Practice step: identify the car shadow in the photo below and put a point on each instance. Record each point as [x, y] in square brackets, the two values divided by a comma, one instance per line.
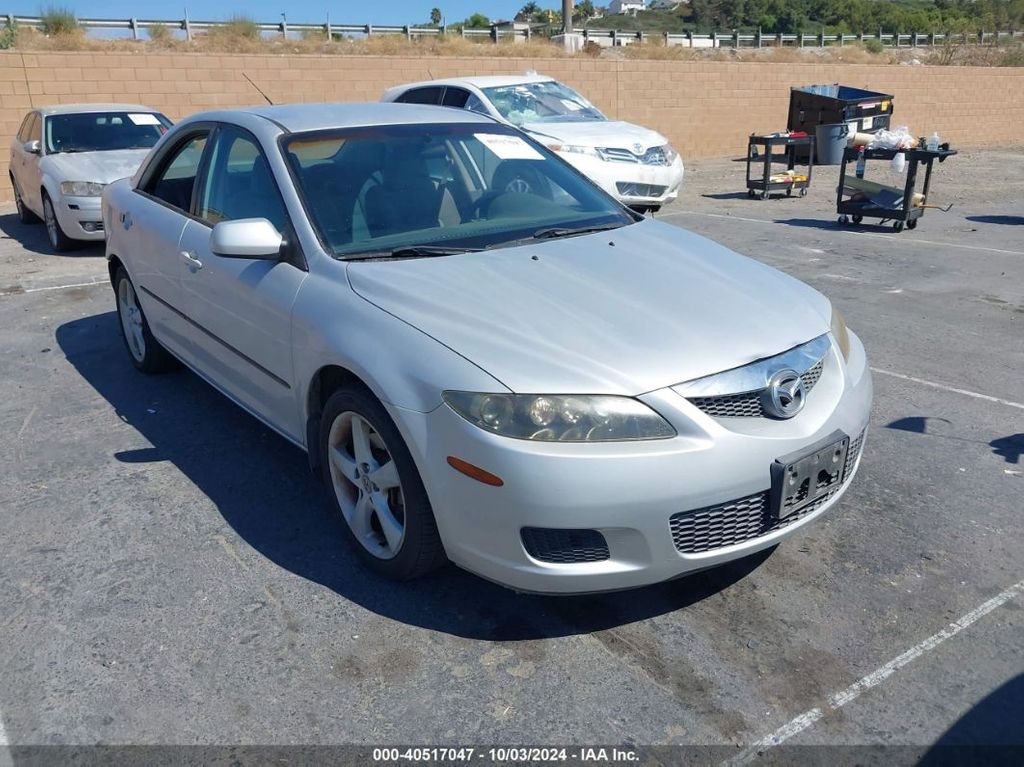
[32, 237]
[989, 733]
[261, 485]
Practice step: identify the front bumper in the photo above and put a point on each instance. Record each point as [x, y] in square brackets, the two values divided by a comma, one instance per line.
[81, 218]
[631, 183]
[626, 491]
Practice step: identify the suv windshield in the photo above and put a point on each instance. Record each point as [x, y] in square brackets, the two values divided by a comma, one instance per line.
[440, 188]
[104, 131]
[548, 101]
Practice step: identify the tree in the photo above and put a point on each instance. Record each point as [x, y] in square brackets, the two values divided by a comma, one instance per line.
[528, 12]
[477, 21]
[435, 16]
[584, 10]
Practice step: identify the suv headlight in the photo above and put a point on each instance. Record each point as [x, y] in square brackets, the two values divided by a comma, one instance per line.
[560, 418]
[840, 333]
[670, 153]
[81, 188]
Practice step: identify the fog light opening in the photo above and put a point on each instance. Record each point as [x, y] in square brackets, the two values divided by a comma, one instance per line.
[475, 472]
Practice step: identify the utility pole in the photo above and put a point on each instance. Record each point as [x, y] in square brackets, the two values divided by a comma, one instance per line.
[567, 17]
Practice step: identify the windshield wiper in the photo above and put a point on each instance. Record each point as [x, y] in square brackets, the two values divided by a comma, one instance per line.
[569, 231]
[413, 251]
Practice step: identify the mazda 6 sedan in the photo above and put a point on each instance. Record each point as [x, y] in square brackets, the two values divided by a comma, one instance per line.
[540, 386]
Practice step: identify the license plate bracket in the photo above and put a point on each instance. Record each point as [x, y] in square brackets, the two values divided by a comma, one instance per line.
[799, 479]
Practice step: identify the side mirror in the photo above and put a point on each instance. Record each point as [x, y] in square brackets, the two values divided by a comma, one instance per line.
[246, 238]
[32, 147]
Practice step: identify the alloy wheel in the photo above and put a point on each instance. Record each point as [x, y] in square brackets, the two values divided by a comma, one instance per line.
[366, 482]
[51, 223]
[131, 319]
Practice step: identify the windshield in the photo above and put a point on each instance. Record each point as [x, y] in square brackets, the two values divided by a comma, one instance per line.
[372, 192]
[547, 101]
[104, 131]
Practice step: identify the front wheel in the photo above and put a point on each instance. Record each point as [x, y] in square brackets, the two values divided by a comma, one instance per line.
[376, 488]
[58, 240]
[145, 351]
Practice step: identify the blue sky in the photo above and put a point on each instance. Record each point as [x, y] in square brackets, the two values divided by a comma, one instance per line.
[381, 12]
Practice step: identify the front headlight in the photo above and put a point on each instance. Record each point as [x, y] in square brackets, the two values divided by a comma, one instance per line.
[840, 333]
[81, 188]
[560, 418]
[589, 151]
[670, 153]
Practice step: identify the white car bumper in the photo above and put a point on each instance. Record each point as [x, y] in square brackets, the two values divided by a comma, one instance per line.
[81, 218]
[633, 494]
[631, 183]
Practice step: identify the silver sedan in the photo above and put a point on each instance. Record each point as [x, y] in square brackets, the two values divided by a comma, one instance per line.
[537, 385]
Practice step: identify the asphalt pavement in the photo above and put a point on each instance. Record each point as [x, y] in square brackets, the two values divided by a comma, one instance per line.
[170, 573]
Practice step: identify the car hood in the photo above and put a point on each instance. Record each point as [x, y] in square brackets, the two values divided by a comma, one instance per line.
[597, 133]
[582, 315]
[99, 167]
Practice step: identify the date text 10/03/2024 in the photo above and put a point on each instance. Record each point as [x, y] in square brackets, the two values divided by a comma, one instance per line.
[501, 754]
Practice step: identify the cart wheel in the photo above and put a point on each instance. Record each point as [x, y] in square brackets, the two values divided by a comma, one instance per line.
[751, 193]
[912, 224]
[803, 191]
[897, 226]
[858, 219]
[764, 195]
[844, 220]
[789, 191]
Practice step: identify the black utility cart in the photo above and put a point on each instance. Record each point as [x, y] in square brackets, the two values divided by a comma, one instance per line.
[857, 199]
[765, 151]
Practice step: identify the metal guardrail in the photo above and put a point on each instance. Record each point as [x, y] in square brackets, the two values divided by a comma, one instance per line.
[499, 32]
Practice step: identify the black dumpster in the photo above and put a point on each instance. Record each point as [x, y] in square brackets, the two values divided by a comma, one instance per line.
[863, 110]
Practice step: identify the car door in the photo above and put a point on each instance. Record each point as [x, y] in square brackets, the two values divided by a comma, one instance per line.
[242, 307]
[26, 167]
[152, 228]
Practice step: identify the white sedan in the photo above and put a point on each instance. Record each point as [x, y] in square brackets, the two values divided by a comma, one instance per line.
[632, 163]
[543, 387]
[63, 157]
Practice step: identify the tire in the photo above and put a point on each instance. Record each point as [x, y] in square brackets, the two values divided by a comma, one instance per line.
[370, 499]
[803, 192]
[58, 240]
[912, 224]
[858, 219]
[145, 352]
[897, 226]
[25, 215]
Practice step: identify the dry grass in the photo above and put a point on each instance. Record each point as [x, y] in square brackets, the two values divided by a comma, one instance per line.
[243, 38]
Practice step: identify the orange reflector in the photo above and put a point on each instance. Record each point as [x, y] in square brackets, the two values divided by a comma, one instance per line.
[475, 472]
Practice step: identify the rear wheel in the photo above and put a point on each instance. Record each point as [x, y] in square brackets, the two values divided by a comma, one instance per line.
[376, 488]
[145, 351]
[58, 240]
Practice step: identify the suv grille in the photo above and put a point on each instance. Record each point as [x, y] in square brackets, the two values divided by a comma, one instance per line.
[748, 404]
[549, 544]
[631, 189]
[745, 518]
[653, 156]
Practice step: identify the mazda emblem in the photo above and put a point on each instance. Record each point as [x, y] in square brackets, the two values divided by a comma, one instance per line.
[784, 395]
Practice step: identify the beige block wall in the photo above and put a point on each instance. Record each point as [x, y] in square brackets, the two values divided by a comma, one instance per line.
[706, 109]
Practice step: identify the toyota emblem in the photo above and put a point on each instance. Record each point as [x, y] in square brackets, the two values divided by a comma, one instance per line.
[638, 148]
[784, 395]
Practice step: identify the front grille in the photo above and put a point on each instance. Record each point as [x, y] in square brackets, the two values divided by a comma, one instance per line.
[744, 519]
[748, 404]
[630, 189]
[549, 544]
[653, 156]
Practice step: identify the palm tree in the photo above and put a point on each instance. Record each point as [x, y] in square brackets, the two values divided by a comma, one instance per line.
[435, 16]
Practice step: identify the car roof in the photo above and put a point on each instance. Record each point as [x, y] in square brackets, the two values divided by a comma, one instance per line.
[67, 109]
[297, 118]
[484, 81]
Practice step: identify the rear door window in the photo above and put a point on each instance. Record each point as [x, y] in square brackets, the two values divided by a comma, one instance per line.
[428, 95]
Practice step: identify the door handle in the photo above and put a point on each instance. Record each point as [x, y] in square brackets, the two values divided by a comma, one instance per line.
[193, 262]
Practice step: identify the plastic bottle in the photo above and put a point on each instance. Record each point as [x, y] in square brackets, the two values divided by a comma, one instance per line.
[860, 163]
[933, 143]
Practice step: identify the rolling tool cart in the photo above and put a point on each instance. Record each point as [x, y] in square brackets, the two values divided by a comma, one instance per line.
[857, 198]
[789, 181]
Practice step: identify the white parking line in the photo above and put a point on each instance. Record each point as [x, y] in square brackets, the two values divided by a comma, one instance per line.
[5, 754]
[876, 677]
[889, 237]
[953, 389]
[95, 281]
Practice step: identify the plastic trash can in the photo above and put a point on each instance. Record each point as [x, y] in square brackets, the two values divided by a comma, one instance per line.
[831, 140]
